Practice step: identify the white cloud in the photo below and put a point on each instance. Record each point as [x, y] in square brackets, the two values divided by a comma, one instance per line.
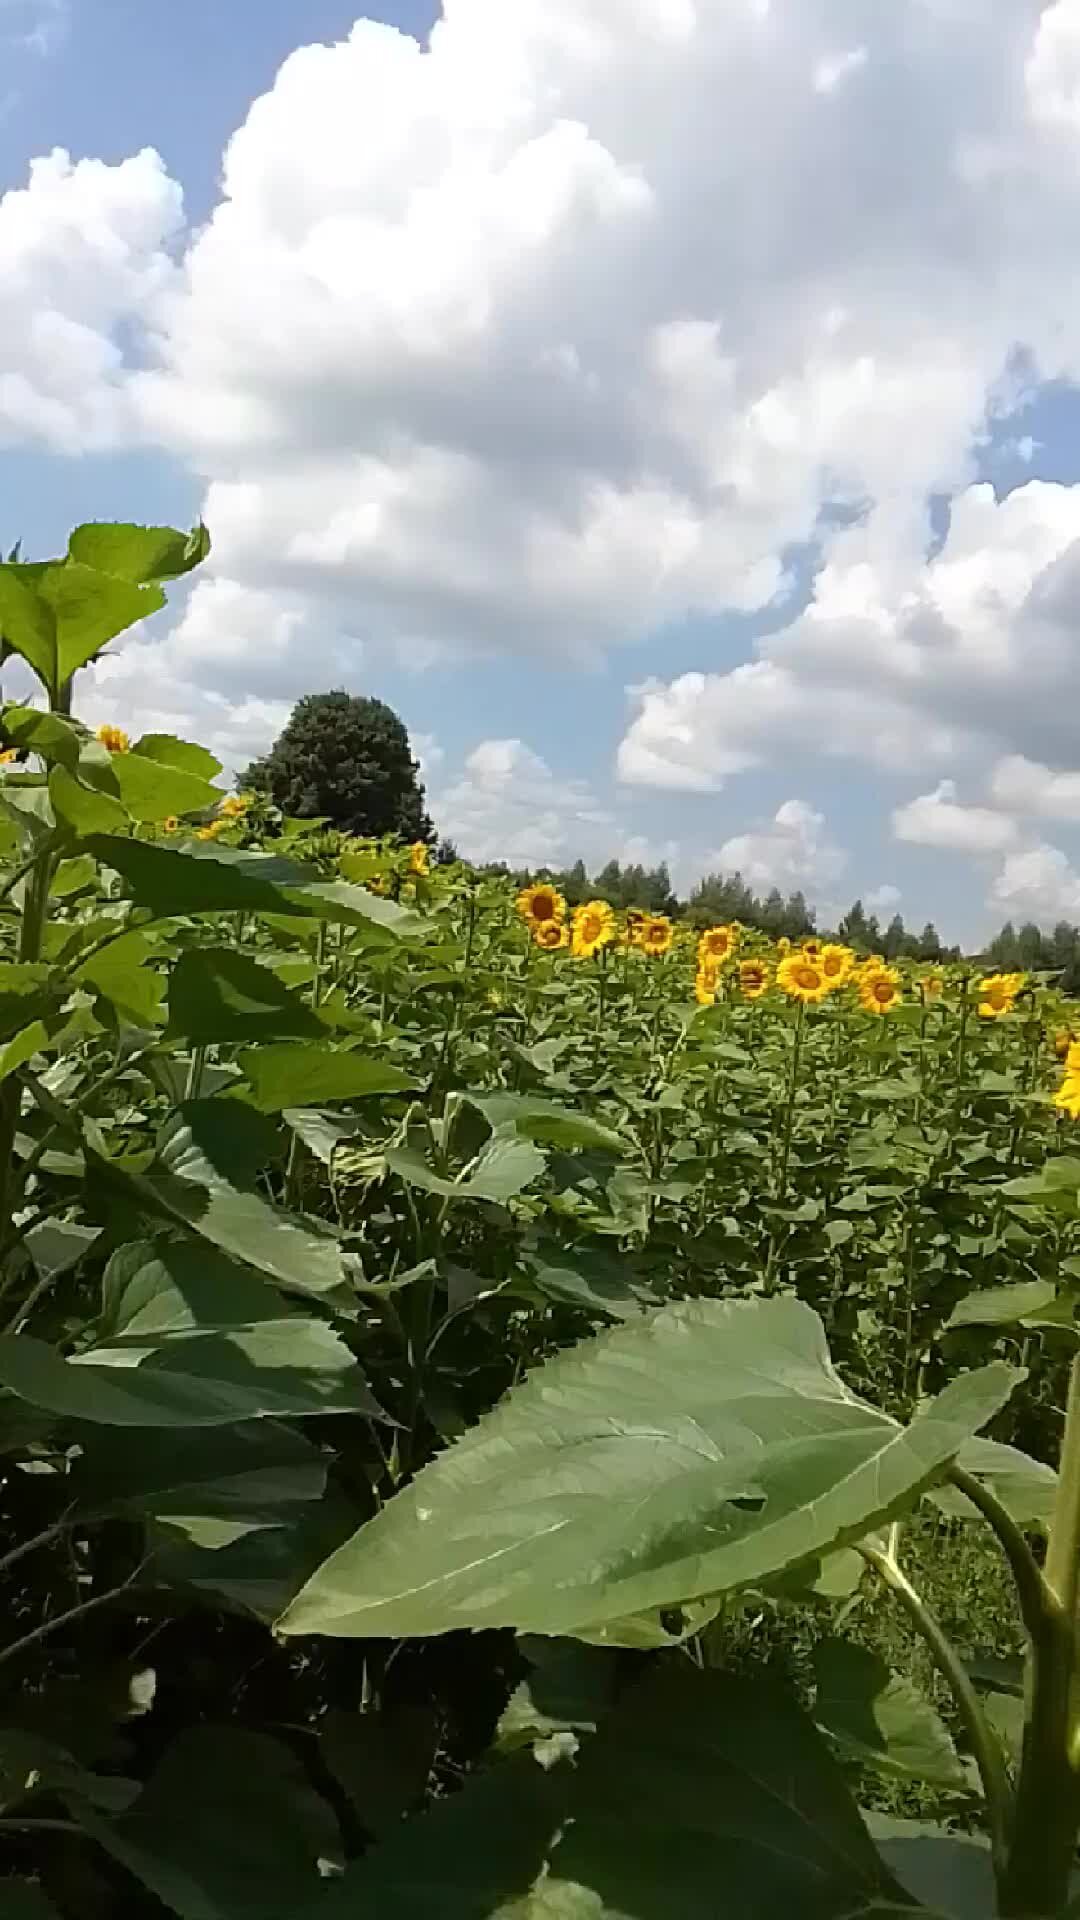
[508, 805]
[82, 257]
[793, 850]
[883, 899]
[1028, 787]
[33, 26]
[833, 69]
[938, 820]
[1039, 884]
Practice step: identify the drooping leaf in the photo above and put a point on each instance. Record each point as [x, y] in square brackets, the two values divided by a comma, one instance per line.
[56, 1245]
[217, 994]
[156, 1287]
[708, 1447]
[171, 752]
[1025, 1487]
[83, 808]
[951, 1873]
[284, 1367]
[879, 1717]
[214, 1140]
[151, 790]
[138, 553]
[47, 734]
[1019, 1300]
[304, 1076]
[253, 1473]
[546, 1121]
[227, 1828]
[502, 1169]
[215, 879]
[568, 1689]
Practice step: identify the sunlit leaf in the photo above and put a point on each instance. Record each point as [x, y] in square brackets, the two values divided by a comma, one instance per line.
[707, 1447]
[879, 1717]
[138, 553]
[302, 1076]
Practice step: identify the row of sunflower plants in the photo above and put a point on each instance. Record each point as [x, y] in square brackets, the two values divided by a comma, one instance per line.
[383, 1260]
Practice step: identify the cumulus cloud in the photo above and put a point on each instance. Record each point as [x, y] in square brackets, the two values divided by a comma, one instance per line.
[1028, 787]
[507, 804]
[937, 819]
[83, 256]
[1038, 883]
[883, 899]
[793, 850]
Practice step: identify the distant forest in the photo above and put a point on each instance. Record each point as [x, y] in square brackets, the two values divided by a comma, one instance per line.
[719, 897]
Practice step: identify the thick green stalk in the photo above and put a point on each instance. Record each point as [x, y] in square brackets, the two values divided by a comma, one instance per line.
[31, 935]
[1046, 1827]
[780, 1194]
[981, 1738]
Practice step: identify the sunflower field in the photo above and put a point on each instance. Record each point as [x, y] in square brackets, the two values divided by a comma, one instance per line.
[505, 1412]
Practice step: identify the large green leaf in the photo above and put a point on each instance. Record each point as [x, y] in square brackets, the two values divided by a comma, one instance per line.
[701, 1795]
[171, 752]
[882, 1719]
[951, 1873]
[305, 1076]
[699, 1451]
[300, 1254]
[84, 808]
[151, 790]
[227, 1828]
[212, 1141]
[381, 1760]
[296, 1367]
[215, 879]
[157, 1287]
[56, 740]
[138, 553]
[217, 994]
[248, 1475]
[124, 974]
[1025, 1487]
[546, 1121]
[57, 615]
[503, 1168]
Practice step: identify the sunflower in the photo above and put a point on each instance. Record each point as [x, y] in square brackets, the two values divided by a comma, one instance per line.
[211, 832]
[1067, 1097]
[812, 949]
[633, 921]
[836, 964]
[783, 945]
[802, 979]
[549, 935]
[379, 885]
[655, 934]
[706, 981]
[234, 806]
[717, 944]
[170, 824]
[541, 903]
[7, 758]
[753, 978]
[997, 993]
[1061, 1041]
[594, 927]
[932, 984]
[419, 858]
[114, 739]
[879, 992]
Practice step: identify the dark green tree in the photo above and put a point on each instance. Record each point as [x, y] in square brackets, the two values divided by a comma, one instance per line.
[346, 759]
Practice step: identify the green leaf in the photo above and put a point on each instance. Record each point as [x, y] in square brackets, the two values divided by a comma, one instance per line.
[708, 1447]
[85, 809]
[258, 1571]
[26, 994]
[381, 1760]
[55, 739]
[698, 1782]
[950, 1872]
[27, 622]
[57, 1245]
[1003, 1306]
[301, 1255]
[184, 754]
[23, 1047]
[546, 1121]
[568, 1690]
[24, 1900]
[227, 1828]
[152, 791]
[89, 609]
[138, 553]
[156, 1287]
[878, 1717]
[290, 1367]
[1025, 1487]
[593, 1287]
[251, 1474]
[125, 975]
[215, 879]
[299, 1076]
[217, 994]
[501, 1170]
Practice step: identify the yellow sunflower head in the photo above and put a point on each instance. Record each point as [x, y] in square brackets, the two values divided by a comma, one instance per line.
[1061, 1041]
[594, 927]
[783, 945]
[655, 934]
[419, 858]
[812, 949]
[1072, 1059]
[378, 885]
[879, 992]
[705, 985]
[836, 964]
[997, 993]
[753, 978]
[801, 978]
[716, 945]
[932, 984]
[234, 806]
[540, 904]
[1067, 1097]
[113, 739]
[211, 832]
[550, 934]
[170, 824]
[7, 759]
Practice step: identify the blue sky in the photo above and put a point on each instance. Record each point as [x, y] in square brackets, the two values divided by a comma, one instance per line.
[708, 500]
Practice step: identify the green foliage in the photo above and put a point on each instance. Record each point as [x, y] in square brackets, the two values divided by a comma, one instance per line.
[368, 1272]
[346, 760]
